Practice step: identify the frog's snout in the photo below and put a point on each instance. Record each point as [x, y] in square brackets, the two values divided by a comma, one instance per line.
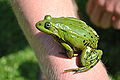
[37, 25]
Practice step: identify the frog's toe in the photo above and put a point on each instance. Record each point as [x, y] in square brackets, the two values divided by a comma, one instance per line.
[81, 69]
[70, 54]
[74, 70]
[75, 55]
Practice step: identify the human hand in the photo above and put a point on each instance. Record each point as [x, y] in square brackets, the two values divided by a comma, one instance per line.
[104, 13]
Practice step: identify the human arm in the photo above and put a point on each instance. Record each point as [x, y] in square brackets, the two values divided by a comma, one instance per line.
[53, 64]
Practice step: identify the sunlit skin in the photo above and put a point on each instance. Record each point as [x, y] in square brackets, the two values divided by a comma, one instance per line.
[75, 36]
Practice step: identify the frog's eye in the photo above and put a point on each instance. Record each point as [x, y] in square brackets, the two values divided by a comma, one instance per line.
[47, 25]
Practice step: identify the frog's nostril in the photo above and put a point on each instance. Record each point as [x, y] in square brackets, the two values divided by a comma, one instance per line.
[39, 24]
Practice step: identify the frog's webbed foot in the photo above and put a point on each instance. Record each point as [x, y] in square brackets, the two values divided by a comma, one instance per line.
[89, 58]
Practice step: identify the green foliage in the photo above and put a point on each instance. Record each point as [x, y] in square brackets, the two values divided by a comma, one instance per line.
[21, 65]
[12, 38]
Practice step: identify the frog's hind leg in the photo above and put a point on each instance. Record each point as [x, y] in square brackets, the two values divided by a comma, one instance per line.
[81, 69]
[84, 68]
[89, 58]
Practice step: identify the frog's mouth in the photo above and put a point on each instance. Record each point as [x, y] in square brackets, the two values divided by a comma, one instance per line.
[37, 27]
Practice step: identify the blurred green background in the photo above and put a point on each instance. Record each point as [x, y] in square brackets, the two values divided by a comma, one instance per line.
[17, 60]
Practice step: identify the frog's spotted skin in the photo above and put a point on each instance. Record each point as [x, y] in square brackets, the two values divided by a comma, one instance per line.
[73, 34]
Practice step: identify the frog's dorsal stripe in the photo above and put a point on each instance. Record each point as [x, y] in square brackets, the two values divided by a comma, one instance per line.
[72, 26]
[82, 25]
[63, 33]
[77, 32]
[82, 22]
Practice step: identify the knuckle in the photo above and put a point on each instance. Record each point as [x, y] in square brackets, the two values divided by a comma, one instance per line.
[100, 3]
[109, 6]
[117, 9]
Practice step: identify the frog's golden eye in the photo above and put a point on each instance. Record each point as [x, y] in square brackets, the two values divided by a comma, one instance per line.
[47, 25]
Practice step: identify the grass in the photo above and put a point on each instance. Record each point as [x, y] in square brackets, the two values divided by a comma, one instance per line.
[17, 60]
[21, 65]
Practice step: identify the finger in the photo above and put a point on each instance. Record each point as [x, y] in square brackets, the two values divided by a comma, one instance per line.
[116, 22]
[97, 12]
[90, 6]
[117, 9]
[110, 5]
[116, 18]
[105, 20]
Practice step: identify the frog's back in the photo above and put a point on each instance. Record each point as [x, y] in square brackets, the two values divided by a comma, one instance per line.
[77, 28]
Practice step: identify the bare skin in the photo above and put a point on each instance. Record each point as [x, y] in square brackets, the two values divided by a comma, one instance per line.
[48, 51]
[104, 13]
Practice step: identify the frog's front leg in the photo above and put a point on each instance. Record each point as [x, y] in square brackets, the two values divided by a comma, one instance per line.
[89, 58]
[69, 50]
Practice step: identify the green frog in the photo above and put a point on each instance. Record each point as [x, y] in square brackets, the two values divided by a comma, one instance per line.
[75, 36]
